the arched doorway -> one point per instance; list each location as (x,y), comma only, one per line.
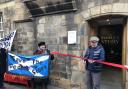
(110,30)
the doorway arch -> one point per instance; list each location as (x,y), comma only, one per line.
(112,31)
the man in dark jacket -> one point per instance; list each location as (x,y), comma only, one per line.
(2,66)
(94,52)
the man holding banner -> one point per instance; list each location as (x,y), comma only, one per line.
(42,49)
(2,66)
(94,52)
(5,44)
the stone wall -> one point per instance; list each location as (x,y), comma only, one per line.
(53,30)
(65,72)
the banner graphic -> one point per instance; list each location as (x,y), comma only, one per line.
(6,42)
(34,66)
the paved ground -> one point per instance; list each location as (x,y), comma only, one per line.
(17,86)
(111,79)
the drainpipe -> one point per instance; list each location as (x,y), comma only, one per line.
(35,33)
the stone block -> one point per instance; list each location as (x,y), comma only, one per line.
(21,12)
(86,13)
(82,45)
(71,26)
(75,86)
(81,66)
(62,32)
(73,47)
(53,47)
(126,87)
(106,8)
(63,48)
(74,67)
(95,10)
(42,20)
(54,75)
(74,62)
(127,76)
(64,83)
(75,52)
(54,20)
(122,7)
(78,19)
(77,77)
(91,4)
(63,75)
(40,28)
(106,2)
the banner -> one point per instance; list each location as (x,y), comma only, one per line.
(34,66)
(6,42)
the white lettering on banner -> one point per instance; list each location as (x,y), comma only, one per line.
(27,64)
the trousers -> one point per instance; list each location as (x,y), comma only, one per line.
(1,79)
(93,80)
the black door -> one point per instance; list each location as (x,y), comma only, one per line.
(111,39)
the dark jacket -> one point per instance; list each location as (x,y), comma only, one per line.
(3,56)
(96,53)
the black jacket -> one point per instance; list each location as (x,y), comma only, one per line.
(3,56)
(96,53)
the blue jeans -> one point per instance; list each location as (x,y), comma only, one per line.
(93,80)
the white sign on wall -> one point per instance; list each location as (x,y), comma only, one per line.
(72,37)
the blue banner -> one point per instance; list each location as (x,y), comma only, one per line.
(34,66)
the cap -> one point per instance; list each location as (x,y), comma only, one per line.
(94,38)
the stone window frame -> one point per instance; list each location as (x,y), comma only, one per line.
(1,27)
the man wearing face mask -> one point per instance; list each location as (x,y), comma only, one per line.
(42,49)
(94,52)
(43,82)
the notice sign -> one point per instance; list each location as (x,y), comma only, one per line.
(71,37)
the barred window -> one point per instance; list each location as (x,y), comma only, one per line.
(1,27)
(46,7)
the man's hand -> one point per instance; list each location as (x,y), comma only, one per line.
(91,61)
(84,59)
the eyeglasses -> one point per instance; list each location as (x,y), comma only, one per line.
(93,41)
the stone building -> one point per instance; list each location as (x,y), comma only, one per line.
(52,21)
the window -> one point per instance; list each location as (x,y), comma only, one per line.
(1,27)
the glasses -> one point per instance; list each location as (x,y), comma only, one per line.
(93,41)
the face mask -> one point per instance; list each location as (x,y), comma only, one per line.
(42,47)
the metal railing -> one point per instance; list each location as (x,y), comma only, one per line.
(51,8)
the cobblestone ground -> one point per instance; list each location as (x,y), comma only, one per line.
(18,86)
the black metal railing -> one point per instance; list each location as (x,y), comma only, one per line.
(50,7)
